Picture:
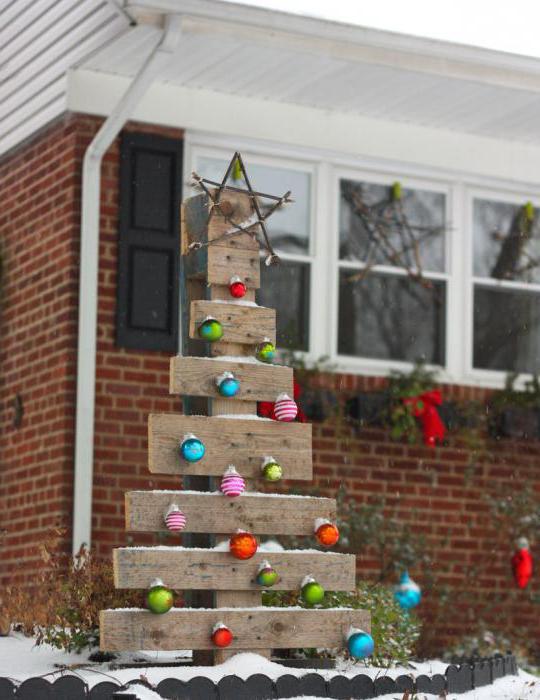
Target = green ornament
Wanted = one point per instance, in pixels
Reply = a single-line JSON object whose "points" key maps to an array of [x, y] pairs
{"points": [[159, 598], [271, 470], [529, 211], [266, 351], [396, 191], [267, 575], [211, 330], [312, 592]]}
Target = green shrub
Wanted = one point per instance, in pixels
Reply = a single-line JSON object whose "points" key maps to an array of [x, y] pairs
{"points": [[393, 630]]}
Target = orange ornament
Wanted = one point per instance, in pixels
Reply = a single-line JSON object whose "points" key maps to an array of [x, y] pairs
{"points": [[326, 532], [243, 545]]}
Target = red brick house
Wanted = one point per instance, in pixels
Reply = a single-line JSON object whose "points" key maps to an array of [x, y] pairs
{"points": [[105, 111]]}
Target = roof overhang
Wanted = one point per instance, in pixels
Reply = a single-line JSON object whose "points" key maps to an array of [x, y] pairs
{"points": [[283, 77]]}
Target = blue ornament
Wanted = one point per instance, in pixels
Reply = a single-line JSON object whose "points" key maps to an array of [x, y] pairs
{"points": [[360, 644], [192, 449], [228, 385], [407, 593]]}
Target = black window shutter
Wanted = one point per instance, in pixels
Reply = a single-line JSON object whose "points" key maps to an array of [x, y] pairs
{"points": [[149, 242]]}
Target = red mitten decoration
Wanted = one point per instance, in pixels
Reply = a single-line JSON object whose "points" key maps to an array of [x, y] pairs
{"points": [[265, 409], [522, 563], [424, 407]]}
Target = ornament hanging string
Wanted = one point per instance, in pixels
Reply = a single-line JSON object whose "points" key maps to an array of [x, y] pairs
{"points": [[239, 227]]}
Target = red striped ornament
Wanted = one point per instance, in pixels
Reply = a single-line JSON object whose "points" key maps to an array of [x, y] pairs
{"points": [[285, 409], [232, 484], [175, 520]]}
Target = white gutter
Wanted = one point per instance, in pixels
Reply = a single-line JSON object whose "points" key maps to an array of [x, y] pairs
{"points": [[159, 58]]}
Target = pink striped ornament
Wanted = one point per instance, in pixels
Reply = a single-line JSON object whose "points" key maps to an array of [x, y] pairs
{"points": [[175, 520], [285, 409], [232, 484]]}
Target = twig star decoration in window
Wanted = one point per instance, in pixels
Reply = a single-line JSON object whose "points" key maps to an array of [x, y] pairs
{"points": [[261, 212]]}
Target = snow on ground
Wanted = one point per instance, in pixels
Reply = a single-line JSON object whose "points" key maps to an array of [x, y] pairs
{"points": [[21, 659]]}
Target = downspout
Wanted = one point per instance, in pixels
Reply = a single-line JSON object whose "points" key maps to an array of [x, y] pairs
{"points": [[159, 58]]}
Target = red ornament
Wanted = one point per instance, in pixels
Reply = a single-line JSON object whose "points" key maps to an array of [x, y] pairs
{"points": [[266, 409], [326, 532], [522, 563], [237, 288], [221, 635], [243, 545], [424, 407]]}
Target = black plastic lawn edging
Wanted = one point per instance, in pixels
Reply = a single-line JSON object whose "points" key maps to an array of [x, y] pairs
{"points": [[457, 679]]}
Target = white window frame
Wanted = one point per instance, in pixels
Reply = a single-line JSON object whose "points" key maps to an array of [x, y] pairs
{"points": [[475, 375], [326, 169]]}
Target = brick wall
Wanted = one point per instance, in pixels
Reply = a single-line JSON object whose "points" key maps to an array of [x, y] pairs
{"points": [[441, 492]]}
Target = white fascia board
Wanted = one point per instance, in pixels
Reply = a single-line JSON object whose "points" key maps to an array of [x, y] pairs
{"points": [[305, 127], [350, 42]]}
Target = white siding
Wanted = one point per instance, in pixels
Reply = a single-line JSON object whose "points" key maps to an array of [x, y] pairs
{"points": [[40, 40]]}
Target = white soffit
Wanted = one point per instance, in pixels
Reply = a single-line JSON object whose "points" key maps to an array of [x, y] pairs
{"points": [[276, 57]]}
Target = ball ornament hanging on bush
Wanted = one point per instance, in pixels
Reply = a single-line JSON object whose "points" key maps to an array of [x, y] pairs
{"points": [[210, 330], [237, 288], [175, 519], [326, 532], [266, 351], [221, 635], [159, 598], [311, 592], [407, 593], [243, 545], [522, 563], [359, 643], [191, 448], [271, 470], [285, 409], [232, 484], [228, 385], [267, 576]]}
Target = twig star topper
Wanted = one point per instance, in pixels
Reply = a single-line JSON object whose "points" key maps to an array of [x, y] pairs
{"points": [[257, 223]]}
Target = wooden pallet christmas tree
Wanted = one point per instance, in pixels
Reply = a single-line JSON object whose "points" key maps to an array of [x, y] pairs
{"points": [[221, 269]]}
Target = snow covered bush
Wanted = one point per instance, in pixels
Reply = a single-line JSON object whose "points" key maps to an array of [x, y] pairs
{"points": [[394, 631]]}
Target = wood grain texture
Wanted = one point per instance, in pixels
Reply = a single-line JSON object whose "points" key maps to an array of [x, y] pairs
{"points": [[196, 376], [247, 325], [216, 513], [185, 628], [226, 261], [237, 441], [184, 569]]}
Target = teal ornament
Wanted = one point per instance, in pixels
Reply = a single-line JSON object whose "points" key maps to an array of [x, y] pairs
{"points": [[360, 644], [407, 594], [228, 385], [311, 592], [210, 330], [266, 351], [267, 576], [191, 448]]}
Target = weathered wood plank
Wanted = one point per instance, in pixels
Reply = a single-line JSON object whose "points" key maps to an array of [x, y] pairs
{"points": [[238, 441], [216, 513], [269, 628], [248, 325], [226, 261], [186, 569], [196, 376]]}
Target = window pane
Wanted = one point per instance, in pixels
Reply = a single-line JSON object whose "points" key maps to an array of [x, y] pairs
{"points": [[289, 226], [285, 287], [387, 241], [391, 317], [506, 244], [506, 330]]}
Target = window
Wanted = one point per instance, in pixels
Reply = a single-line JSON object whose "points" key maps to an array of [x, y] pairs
{"points": [[506, 285], [392, 281], [456, 283], [285, 287]]}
